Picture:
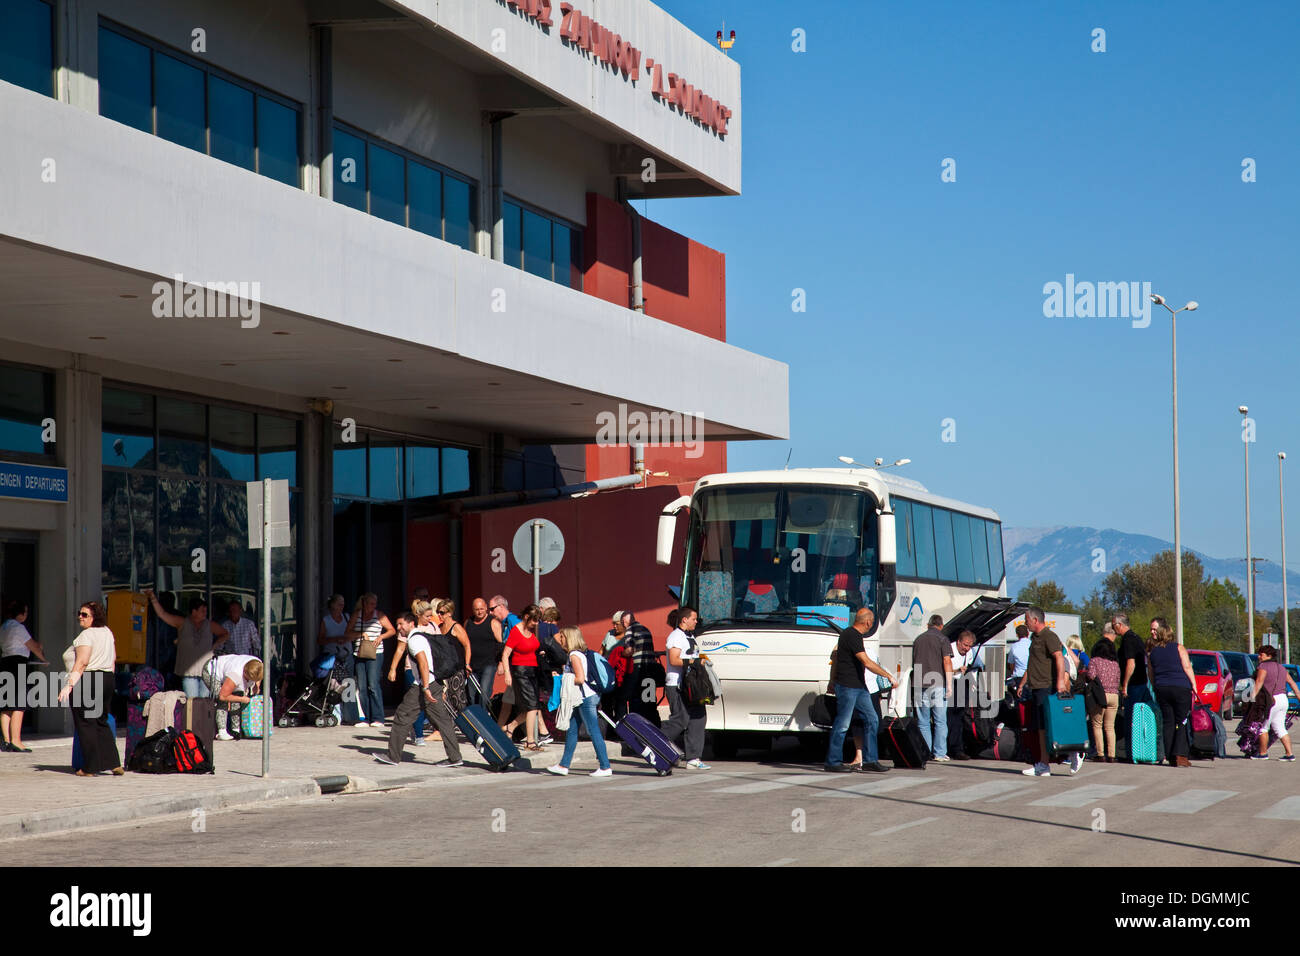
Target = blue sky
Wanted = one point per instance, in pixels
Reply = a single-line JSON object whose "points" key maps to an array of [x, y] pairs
{"points": [[925, 298]]}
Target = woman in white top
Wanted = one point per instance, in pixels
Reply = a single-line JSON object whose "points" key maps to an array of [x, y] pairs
{"points": [[91, 681], [684, 720], [570, 638], [370, 627], [16, 648], [332, 638]]}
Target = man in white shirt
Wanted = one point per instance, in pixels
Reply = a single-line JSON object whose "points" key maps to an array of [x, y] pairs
{"points": [[427, 694], [966, 658]]}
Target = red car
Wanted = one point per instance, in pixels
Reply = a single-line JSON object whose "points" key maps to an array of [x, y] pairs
{"points": [[1213, 681]]}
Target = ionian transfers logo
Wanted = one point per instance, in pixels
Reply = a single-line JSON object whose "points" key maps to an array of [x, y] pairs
{"points": [[716, 647], [76, 909], [913, 605], [215, 300], [1101, 300], [672, 429]]}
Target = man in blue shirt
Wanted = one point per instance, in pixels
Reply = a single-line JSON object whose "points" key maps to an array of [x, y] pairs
{"points": [[1018, 656]]}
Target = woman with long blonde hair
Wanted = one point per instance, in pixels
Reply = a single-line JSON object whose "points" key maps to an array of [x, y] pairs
{"points": [[570, 638]]}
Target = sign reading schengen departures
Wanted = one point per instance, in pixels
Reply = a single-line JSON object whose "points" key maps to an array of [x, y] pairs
{"points": [[33, 482]]}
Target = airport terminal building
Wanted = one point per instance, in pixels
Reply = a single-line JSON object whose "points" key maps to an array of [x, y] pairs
{"points": [[384, 250]]}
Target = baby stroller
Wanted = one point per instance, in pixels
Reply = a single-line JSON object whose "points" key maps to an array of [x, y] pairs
{"points": [[318, 699]]}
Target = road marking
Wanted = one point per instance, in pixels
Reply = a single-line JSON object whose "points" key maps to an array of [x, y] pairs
{"points": [[1189, 801], [1288, 809], [1008, 796], [1081, 796], [879, 785], [782, 862], [904, 826], [763, 786], [979, 791], [555, 784], [665, 783]]}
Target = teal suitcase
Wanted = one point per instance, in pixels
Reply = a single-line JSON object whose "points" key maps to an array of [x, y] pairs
{"points": [[1142, 742], [1066, 723]]}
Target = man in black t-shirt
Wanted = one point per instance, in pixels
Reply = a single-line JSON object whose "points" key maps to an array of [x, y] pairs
{"points": [[853, 698], [1133, 685]]}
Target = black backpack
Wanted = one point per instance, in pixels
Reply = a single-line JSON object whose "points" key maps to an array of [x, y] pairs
{"points": [[553, 656], [155, 754], [445, 661]]}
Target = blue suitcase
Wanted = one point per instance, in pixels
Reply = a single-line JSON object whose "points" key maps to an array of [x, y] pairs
{"points": [[1142, 742], [77, 760], [648, 741], [1066, 723], [486, 737]]}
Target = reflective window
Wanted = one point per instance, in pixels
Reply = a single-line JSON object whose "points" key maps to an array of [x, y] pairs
{"points": [[233, 444], [923, 538], [387, 185], [230, 112], [26, 45], [424, 197], [455, 471], [386, 469], [996, 569], [236, 568], [26, 400], [542, 245], [458, 208], [513, 236], [178, 96], [906, 566], [182, 437], [277, 448], [349, 465], [349, 170], [945, 555], [125, 81], [277, 142], [421, 471], [979, 550], [564, 243], [127, 542], [182, 527], [537, 245], [961, 541], [127, 430]]}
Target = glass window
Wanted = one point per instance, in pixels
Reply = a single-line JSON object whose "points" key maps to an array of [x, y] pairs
{"points": [[945, 554], [458, 210], [979, 550], [236, 570], [387, 184], [996, 570], [564, 242], [127, 429], [349, 170], [424, 196], [923, 538], [906, 566], [127, 559], [26, 45], [26, 399], [349, 465], [537, 245], [182, 437], [421, 471], [230, 120], [513, 241], [277, 448], [385, 469], [178, 93], [961, 541], [125, 81], [232, 444], [277, 141], [182, 527], [455, 470]]}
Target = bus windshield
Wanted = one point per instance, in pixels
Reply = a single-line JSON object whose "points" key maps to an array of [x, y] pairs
{"points": [[801, 555]]}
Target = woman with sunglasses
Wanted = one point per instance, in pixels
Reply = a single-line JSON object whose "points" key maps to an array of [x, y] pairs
{"points": [[94, 659], [456, 686]]}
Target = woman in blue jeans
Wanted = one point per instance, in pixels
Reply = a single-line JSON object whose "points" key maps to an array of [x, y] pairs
{"points": [[369, 628], [570, 638]]}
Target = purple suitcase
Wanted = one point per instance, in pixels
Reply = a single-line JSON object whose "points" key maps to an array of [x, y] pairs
{"points": [[649, 741]]}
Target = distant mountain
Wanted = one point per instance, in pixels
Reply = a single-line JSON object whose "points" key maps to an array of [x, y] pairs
{"points": [[1068, 555]]}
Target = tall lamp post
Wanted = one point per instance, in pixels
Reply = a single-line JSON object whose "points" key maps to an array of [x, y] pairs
{"points": [[1250, 563], [1286, 616], [1178, 539]]}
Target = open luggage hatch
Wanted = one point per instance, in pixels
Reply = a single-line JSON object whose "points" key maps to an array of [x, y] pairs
{"points": [[986, 617]]}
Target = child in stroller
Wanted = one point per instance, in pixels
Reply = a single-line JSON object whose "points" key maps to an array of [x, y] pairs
{"points": [[322, 694]]}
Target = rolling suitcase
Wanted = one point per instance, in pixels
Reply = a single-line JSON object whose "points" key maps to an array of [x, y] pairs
{"points": [[1203, 742], [77, 760], [1142, 741], [484, 735], [1066, 723], [199, 715], [648, 741], [900, 740], [1002, 746]]}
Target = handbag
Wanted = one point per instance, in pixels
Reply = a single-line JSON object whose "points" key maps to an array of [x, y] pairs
{"points": [[1095, 702], [1201, 720]]}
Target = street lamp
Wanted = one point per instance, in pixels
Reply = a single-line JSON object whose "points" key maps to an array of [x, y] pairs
{"points": [[1250, 564], [1286, 616], [1178, 540]]}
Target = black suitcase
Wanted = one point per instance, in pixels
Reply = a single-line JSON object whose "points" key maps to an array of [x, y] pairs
{"points": [[485, 736], [648, 741], [1004, 745], [900, 740]]}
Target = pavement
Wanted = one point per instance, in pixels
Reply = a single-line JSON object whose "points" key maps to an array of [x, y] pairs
{"points": [[43, 796]]}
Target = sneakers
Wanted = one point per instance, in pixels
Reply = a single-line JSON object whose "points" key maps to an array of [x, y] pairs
{"points": [[876, 767], [944, 759], [450, 763], [1076, 761], [1038, 770], [361, 723], [1259, 757], [698, 764], [607, 772], [419, 742], [558, 770], [546, 739], [1289, 758], [384, 758], [832, 767], [222, 735]]}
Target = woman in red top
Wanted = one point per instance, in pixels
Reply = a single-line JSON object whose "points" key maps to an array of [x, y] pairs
{"points": [[519, 658]]}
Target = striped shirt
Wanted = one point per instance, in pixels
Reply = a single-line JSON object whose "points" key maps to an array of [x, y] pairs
{"points": [[244, 639]]}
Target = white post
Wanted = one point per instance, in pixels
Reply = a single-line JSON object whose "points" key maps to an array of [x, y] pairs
{"points": [[1178, 534], [1250, 561], [266, 627], [1286, 616]]}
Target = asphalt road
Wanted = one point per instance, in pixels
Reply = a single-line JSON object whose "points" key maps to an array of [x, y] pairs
{"points": [[1227, 813]]}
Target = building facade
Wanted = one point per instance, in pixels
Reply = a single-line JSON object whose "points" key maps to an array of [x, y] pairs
{"points": [[386, 251]]}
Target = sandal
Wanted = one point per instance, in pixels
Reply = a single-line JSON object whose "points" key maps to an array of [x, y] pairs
{"points": [[535, 747], [119, 771], [82, 773]]}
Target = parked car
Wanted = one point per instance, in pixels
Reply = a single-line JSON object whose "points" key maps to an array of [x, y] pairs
{"points": [[1214, 682], [1292, 704], [1243, 667]]}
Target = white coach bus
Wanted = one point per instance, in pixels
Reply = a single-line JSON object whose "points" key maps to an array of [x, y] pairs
{"points": [[777, 562]]}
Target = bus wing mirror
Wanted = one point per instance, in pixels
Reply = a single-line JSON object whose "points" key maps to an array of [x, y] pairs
{"points": [[888, 543], [668, 528]]}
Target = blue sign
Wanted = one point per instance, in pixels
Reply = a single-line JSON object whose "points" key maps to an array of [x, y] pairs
{"points": [[33, 482]]}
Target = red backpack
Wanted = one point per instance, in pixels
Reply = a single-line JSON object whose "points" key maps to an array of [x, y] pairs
{"points": [[189, 753]]}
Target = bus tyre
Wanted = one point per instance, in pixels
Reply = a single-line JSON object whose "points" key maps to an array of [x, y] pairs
{"points": [[725, 746]]}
